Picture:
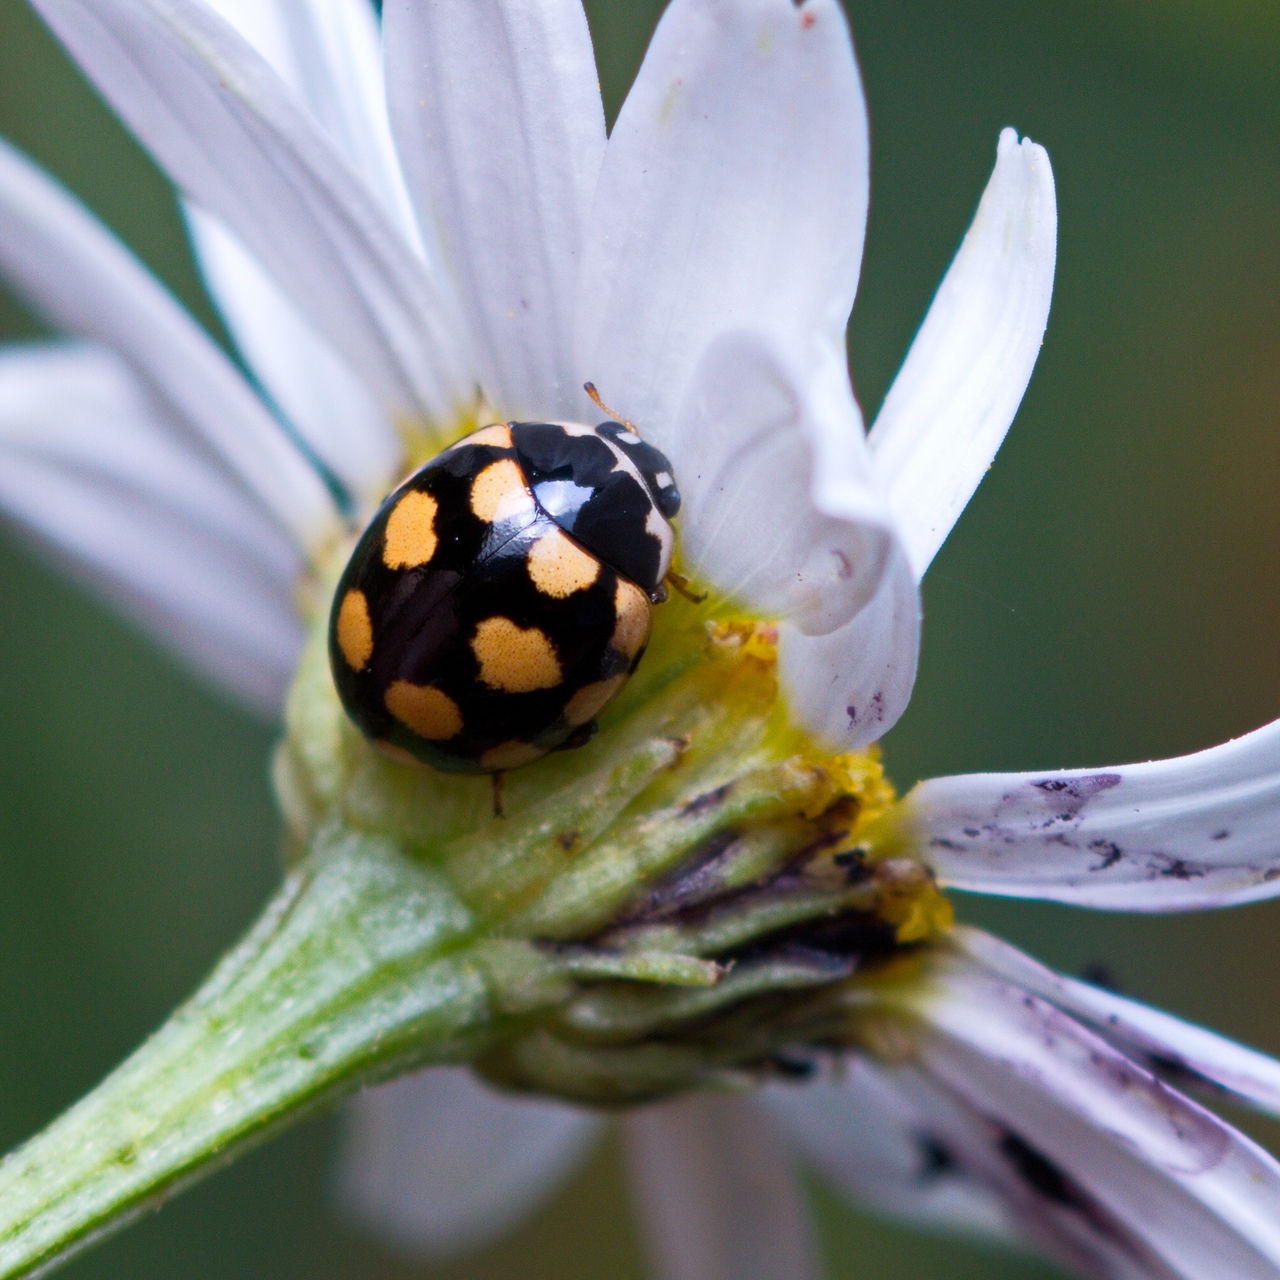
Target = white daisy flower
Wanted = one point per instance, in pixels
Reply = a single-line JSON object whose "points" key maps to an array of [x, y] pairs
{"points": [[398, 245]]}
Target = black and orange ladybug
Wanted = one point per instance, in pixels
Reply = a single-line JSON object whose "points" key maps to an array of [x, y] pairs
{"points": [[503, 594]]}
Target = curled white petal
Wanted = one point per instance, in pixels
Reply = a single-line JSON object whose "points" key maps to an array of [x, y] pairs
{"points": [[97, 474], [716, 1194], [780, 504], [438, 1163], [782, 511], [955, 397], [1184, 834], [77, 275], [497, 113], [1114, 1153], [851, 686], [234, 137], [1167, 1046], [733, 195]]}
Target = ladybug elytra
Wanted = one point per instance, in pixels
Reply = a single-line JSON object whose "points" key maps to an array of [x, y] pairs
{"points": [[503, 594]]}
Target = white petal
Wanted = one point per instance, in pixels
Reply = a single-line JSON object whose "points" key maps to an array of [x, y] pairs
{"points": [[92, 470], [329, 52], [716, 1194], [241, 144], [964, 377], [899, 1143], [439, 1163], [1060, 1219], [1200, 1196], [77, 275], [1193, 832], [1169, 1047], [314, 387], [781, 508], [496, 109], [878, 1144], [733, 196], [851, 686]]}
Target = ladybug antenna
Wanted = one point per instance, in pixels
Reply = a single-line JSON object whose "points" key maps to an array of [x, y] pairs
{"points": [[590, 389]]}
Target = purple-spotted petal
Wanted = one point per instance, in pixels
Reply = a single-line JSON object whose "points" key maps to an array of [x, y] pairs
{"points": [[1169, 1047], [1094, 1137], [878, 1142], [1184, 834]]}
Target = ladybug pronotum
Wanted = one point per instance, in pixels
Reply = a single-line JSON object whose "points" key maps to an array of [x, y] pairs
{"points": [[503, 594]]}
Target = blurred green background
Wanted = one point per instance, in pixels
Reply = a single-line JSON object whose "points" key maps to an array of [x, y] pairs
{"points": [[1109, 595]]}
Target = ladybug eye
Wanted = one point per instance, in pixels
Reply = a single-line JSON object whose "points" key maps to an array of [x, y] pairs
{"points": [[665, 493]]}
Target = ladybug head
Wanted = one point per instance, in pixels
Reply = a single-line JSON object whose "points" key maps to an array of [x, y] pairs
{"points": [[651, 463]]}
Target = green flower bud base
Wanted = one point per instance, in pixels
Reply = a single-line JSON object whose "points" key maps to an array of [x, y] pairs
{"points": [[688, 901]]}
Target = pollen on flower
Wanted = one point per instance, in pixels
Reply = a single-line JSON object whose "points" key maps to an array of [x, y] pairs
{"points": [[746, 638], [422, 439], [909, 899]]}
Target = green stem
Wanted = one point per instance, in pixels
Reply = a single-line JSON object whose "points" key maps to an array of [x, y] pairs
{"points": [[358, 969]]}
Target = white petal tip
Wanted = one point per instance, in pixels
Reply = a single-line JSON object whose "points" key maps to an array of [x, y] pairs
{"points": [[956, 395]]}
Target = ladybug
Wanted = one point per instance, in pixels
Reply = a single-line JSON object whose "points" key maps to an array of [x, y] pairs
{"points": [[503, 594]]}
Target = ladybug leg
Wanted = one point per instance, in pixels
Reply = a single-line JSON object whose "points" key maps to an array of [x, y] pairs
{"points": [[579, 737], [681, 584], [496, 782]]}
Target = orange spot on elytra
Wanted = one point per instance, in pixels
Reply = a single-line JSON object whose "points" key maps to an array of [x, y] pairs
{"points": [[496, 436], [499, 492], [589, 701], [510, 755], [410, 537], [426, 710], [559, 567], [515, 659], [632, 613], [355, 630]]}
